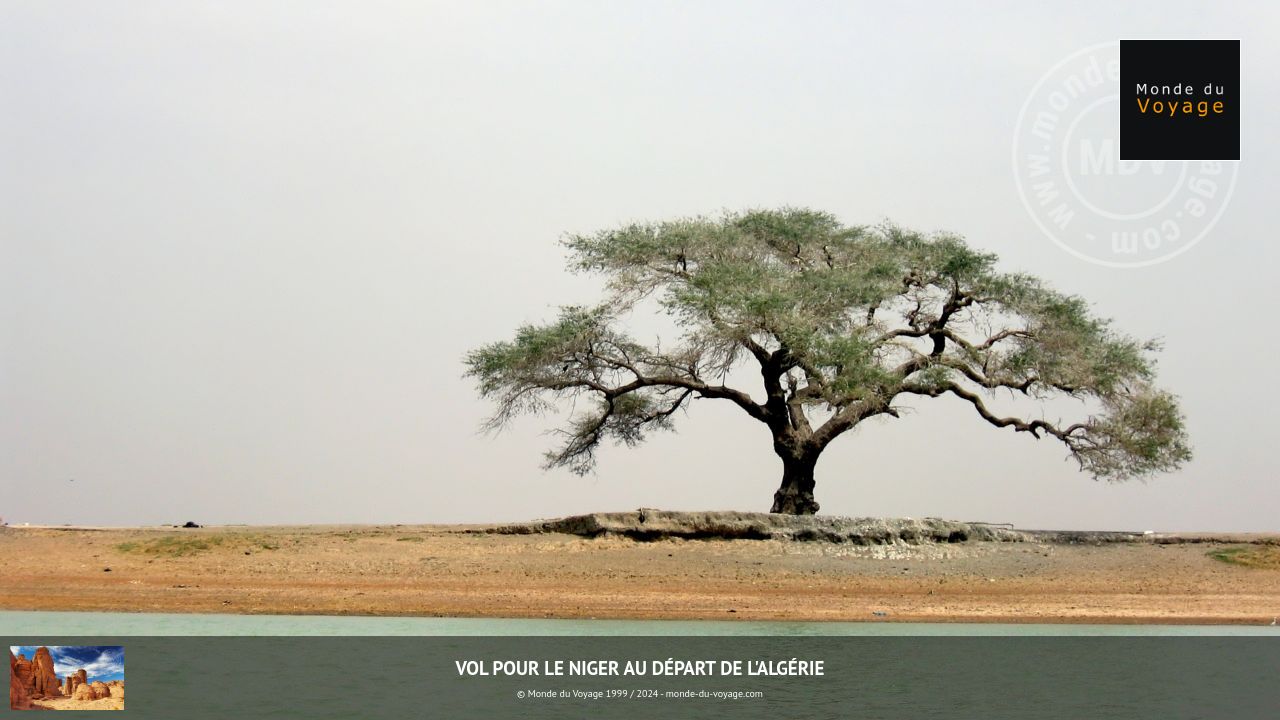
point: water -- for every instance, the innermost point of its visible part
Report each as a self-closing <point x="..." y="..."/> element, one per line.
<point x="13" y="623"/>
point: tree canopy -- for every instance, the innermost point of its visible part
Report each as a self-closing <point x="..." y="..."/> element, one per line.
<point x="842" y="322"/>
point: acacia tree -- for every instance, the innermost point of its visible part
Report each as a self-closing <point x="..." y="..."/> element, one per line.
<point x="842" y="323"/>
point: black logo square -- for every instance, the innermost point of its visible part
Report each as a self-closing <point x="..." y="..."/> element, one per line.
<point x="1180" y="99"/>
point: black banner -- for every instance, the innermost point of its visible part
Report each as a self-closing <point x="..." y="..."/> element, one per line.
<point x="990" y="678"/>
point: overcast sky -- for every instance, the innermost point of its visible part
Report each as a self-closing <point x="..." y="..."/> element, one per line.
<point x="245" y="246"/>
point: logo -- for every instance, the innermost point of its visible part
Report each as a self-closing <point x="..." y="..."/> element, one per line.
<point x="1180" y="99"/>
<point x="1096" y="203"/>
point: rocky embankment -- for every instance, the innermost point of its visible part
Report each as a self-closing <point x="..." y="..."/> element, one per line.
<point x="33" y="680"/>
<point x="646" y="524"/>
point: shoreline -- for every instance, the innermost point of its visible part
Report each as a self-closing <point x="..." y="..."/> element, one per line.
<point x="1182" y="621"/>
<point x="458" y="572"/>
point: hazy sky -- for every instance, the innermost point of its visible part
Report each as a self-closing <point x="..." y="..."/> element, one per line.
<point x="244" y="247"/>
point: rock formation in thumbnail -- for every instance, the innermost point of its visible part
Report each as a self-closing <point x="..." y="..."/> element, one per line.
<point x="44" y="681"/>
<point x="76" y="679"/>
<point x="34" y="680"/>
<point x="18" y="699"/>
<point x="21" y="669"/>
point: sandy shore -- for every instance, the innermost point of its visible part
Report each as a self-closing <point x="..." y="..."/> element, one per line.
<point x="442" y="571"/>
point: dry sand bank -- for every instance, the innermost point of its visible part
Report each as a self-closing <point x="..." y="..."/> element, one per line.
<point x="66" y="703"/>
<point x="455" y="571"/>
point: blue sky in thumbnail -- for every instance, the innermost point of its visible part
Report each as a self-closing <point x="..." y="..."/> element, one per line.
<point x="100" y="662"/>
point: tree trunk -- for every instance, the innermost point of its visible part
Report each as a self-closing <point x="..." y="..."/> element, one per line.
<point x="795" y="496"/>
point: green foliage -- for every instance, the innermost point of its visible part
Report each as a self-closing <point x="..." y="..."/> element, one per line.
<point x="1141" y="433"/>
<point x="182" y="545"/>
<point x="172" y="545"/>
<point x="624" y="418"/>
<point x="841" y="321"/>
<point x="1250" y="556"/>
